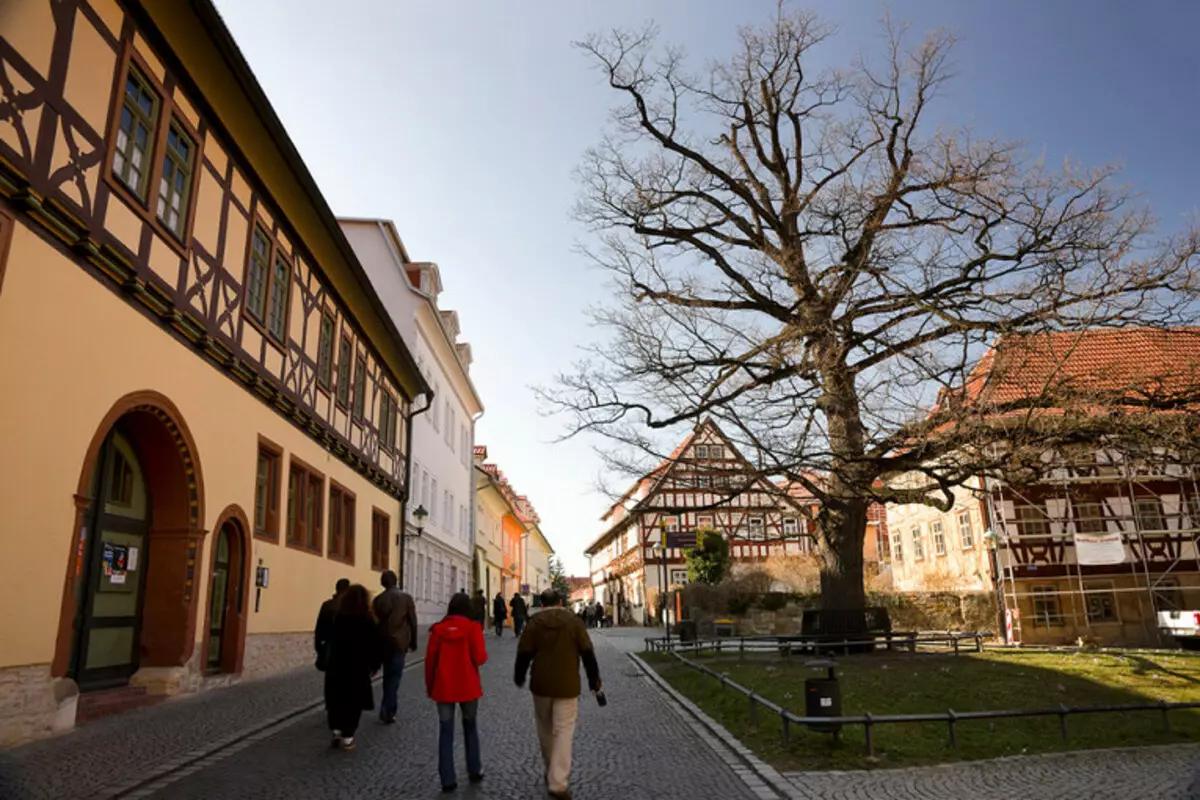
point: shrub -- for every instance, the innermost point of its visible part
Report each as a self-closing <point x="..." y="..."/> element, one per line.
<point x="774" y="601"/>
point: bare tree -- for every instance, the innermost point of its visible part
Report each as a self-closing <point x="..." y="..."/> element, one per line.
<point x="801" y="256"/>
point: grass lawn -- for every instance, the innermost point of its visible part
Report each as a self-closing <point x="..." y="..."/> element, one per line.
<point x="923" y="683"/>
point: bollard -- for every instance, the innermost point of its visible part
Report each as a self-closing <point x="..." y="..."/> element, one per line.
<point x="952" y="721"/>
<point x="978" y="643"/>
<point x="867" y="728"/>
<point x="1062" y="721"/>
<point x="955" y="638"/>
<point x="1162" y="704"/>
<point x="786" y="732"/>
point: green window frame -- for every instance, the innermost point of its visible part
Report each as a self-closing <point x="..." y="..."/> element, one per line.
<point x="360" y="387"/>
<point x="281" y="284"/>
<point x="257" y="275"/>
<point x="175" y="183"/>
<point x="325" y="353"/>
<point x="343" y="381"/>
<point x="136" y="130"/>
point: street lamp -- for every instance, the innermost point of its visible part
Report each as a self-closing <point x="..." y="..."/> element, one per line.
<point x="419" y="514"/>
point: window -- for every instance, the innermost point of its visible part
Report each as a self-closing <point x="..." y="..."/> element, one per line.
<point x="387" y="421"/>
<point x="433" y="500"/>
<point x="716" y="453"/>
<point x="704" y="481"/>
<point x="305" y="492"/>
<point x="341" y="524"/>
<point x="380" y="522"/>
<point x="704" y="523"/>
<point x="135" y="134"/>
<point x="1047" y="612"/>
<point x="256" y="274"/>
<point x="791" y="526"/>
<point x="755" y="528"/>
<point x="918" y="545"/>
<point x="1167" y="595"/>
<point x="897" y="547"/>
<point x="1101" y="602"/>
<point x="343" y="381"/>
<point x="939" y="539"/>
<point x="965" y="537"/>
<point x="1150" y="515"/>
<point x="266" y="491"/>
<point x="1089" y="518"/>
<point x="360" y="387"/>
<point x="175" y="183"/>
<point x="325" y="353"/>
<point x="424" y="501"/>
<point x="447" y="517"/>
<point x="701" y="451"/>
<point x="1032" y="521"/>
<point x="435" y="411"/>
<point x="268" y="284"/>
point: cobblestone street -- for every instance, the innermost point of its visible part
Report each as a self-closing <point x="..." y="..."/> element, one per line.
<point x="638" y="748"/>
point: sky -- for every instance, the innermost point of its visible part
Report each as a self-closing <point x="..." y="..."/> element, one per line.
<point x="463" y="122"/>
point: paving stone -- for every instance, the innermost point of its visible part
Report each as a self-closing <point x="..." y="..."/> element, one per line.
<point x="637" y="747"/>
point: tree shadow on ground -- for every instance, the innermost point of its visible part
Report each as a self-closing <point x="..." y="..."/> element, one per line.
<point x="895" y="684"/>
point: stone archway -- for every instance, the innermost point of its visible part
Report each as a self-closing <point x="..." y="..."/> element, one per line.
<point x="233" y="525"/>
<point x="170" y="464"/>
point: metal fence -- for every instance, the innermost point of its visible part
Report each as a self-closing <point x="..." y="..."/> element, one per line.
<point x="950" y="717"/>
<point x="786" y="645"/>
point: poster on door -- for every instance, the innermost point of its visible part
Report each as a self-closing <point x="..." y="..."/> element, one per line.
<point x="115" y="561"/>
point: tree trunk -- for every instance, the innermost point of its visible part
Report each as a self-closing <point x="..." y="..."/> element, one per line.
<point x="843" y="526"/>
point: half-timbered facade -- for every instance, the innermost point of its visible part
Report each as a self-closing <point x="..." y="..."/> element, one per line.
<point x="705" y="484"/>
<point x="1098" y="547"/>
<point x="204" y="426"/>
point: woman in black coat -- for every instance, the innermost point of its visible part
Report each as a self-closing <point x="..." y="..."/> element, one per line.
<point x="355" y="655"/>
<point x="499" y="613"/>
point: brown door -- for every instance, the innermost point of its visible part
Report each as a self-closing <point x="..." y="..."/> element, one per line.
<point x="223" y="595"/>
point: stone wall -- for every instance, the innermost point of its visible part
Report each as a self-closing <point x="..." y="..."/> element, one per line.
<point x="268" y="653"/>
<point x="29" y="708"/>
<point x="778" y="614"/>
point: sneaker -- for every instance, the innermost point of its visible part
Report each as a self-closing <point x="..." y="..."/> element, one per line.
<point x="348" y="743"/>
<point x="337" y="738"/>
<point x="476" y="777"/>
<point x="388" y="720"/>
<point x="565" y="794"/>
<point x="448" y="788"/>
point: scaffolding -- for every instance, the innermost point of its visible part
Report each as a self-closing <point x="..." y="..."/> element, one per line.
<point x="1153" y="503"/>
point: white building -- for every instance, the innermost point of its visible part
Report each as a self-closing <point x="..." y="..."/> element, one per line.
<point x="438" y="563"/>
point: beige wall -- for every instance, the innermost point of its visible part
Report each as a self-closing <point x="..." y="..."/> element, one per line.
<point x="72" y="349"/>
<point x="959" y="569"/>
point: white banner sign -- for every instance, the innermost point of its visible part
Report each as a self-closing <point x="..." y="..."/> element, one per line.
<point x="1095" y="549"/>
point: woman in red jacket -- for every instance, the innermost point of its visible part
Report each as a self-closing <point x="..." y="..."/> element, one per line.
<point x="452" y="661"/>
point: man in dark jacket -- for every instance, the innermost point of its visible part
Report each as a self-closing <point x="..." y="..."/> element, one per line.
<point x="499" y="613"/>
<point x="520" y="613"/>
<point x="323" y="633"/>
<point x="479" y="607"/>
<point x="554" y="643"/>
<point x="397" y="616"/>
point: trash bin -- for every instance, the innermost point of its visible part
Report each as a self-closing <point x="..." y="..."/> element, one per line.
<point x="823" y="697"/>
<point x="687" y="630"/>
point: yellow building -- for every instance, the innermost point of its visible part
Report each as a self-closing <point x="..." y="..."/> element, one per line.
<point x="205" y="416"/>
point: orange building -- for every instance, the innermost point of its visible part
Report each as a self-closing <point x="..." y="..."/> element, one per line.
<point x="205" y="421"/>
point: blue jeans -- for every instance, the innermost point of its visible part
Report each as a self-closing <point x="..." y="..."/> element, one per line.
<point x="446" y="741"/>
<point x="518" y="625"/>
<point x="393" y="668"/>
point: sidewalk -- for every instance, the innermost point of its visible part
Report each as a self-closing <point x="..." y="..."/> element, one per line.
<point x="115" y="750"/>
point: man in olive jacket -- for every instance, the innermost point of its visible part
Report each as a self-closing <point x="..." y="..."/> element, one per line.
<point x="555" y="642"/>
<point x="397" y="615"/>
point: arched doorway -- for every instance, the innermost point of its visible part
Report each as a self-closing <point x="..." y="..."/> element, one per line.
<point x="113" y="568"/>
<point x="129" y="601"/>
<point x="225" y="615"/>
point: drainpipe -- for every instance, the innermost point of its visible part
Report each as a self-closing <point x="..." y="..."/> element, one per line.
<point x="471" y="488"/>
<point x="408" y="437"/>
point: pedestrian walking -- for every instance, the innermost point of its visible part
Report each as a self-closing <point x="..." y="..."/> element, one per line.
<point x="589" y="615"/>
<point x="354" y="656"/>
<point x="599" y="614"/>
<point x="397" y="616"/>
<point x="452" y="660"/>
<point x="499" y="613"/>
<point x="479" y="608"/>
<point x="323" y="632"/>
<point x="555" y="643"/>
<point x="520" y="613"/>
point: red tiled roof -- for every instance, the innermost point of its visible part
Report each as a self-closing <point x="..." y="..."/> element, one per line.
<point x="1131" y="361"/>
